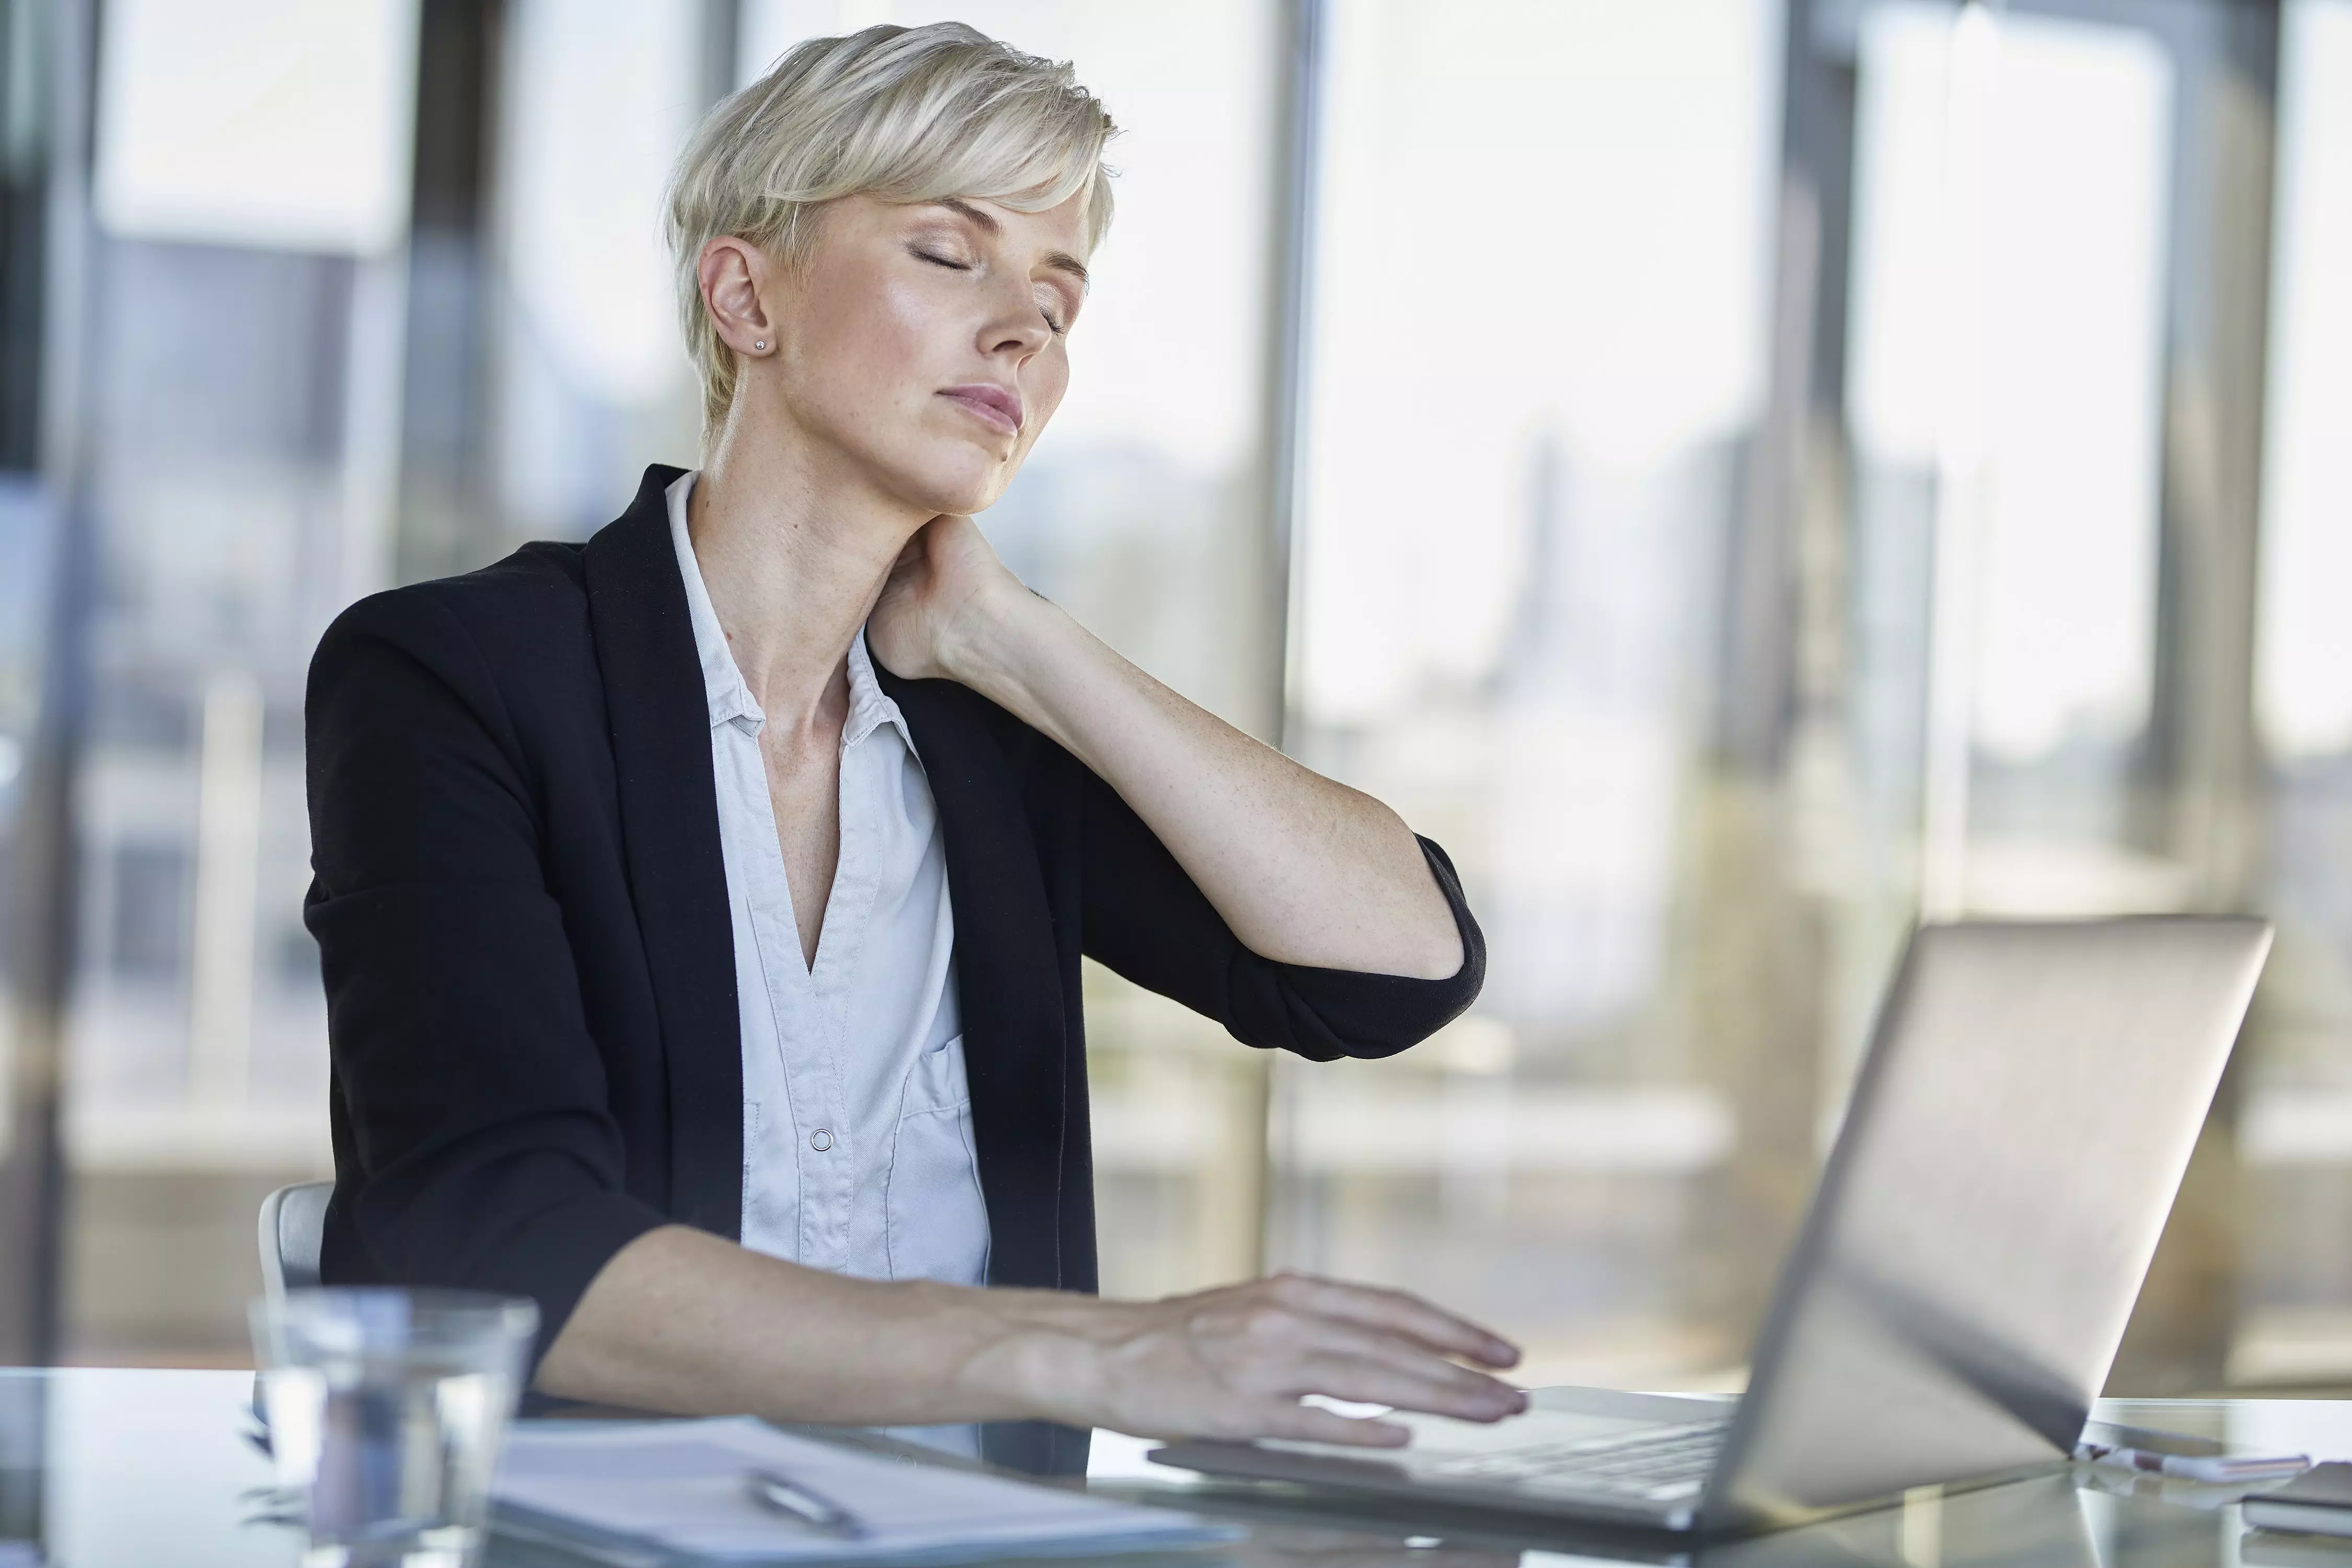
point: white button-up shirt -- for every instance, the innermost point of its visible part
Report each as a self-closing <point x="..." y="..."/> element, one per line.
<point x="857" y="1145"/>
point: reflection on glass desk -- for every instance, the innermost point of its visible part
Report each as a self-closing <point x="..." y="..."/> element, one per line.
<point x="108" y="1469"/>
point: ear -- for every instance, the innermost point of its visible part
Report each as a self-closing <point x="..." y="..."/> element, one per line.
<point x="735" y="276"/>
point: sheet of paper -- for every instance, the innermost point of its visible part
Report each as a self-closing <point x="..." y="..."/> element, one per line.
<point x="678" y="1489"/>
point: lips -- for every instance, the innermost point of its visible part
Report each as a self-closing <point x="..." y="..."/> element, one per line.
<point x="999" y="407"/>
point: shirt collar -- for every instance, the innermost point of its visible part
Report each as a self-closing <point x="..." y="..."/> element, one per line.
<point x="869" y="706"/>
<point x="722" y="683"/>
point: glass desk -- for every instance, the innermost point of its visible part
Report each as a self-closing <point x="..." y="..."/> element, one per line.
<point x="117" y="1469"/>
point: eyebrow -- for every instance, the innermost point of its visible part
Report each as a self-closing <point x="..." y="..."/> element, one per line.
<point x="1059" y="260"/>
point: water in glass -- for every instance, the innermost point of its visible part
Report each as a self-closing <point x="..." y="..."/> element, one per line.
<point x="386" y="1411"/>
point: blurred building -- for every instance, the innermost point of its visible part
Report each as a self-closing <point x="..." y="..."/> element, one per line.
<point x="1742" y="474"/>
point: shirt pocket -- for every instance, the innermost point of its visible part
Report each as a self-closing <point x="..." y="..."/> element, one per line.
<point x="935" y="1221"/>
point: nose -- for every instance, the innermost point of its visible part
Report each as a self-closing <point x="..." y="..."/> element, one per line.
<point x="1014" y="325"/>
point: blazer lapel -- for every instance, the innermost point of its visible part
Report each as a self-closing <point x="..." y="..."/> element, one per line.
<point x="1007" y="982"/>
<point x="669" y="836"/>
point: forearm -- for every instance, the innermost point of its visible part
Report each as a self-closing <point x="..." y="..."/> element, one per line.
<point x="1304" y="869"/>
<point x="686" y="1322"/>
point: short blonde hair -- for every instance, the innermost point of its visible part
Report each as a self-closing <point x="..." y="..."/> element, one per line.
<point x="907" y="114"/>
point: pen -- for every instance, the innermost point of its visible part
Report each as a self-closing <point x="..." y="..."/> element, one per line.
<point x="2214" y="1467"/>
<point x="794" y="1500"/>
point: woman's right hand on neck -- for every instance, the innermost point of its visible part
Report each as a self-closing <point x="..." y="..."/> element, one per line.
<point x="935" y="603"/>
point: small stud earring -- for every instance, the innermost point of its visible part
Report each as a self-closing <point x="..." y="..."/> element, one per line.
<point x="760" y="343"/>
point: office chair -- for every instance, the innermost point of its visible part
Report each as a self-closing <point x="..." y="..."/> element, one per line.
<point x="293" y="1222"/>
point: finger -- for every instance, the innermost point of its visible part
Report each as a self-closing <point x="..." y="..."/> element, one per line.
<point x="1311" y="1336"/>
<point x="1397" y="1312"/>
<point x="1372" y="1382"/>
<point x="1366" y="1382"/>
<point x="1306" y="1423"/>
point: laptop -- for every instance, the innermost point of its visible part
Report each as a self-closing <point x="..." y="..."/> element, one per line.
<point x="1960" y="1285"/>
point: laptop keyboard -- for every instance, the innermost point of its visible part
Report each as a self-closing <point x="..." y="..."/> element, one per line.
<point x="1655" y="1464"/>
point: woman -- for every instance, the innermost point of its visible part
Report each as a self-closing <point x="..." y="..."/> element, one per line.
<point x="701" y="907"/>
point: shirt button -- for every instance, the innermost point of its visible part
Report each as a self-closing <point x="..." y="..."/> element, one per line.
<point x="820" y="1140"/>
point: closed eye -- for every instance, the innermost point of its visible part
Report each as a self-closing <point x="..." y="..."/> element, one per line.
<point x="947" y="261"/>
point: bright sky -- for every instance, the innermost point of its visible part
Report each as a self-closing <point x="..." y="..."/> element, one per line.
<point x="271" y="124"/>
<point x="604" y="93"/>
<point x="1555" y="216"/>
<point x="2306" y="681"/>
<point x="2012" y="289"/>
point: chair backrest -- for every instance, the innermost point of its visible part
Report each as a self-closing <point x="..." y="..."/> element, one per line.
<point x="293" y="1224"/>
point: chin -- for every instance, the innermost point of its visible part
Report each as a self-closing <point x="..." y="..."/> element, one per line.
<point x="958" y="488"/>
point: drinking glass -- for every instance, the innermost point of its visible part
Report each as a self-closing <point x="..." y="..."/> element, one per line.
<point x="385" y="1410"/>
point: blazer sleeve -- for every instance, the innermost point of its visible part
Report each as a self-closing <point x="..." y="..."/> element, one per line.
<point x="1149" y="920"/>
<point x="474" y="1098"/>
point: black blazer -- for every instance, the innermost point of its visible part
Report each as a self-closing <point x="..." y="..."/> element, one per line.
<point x="521" y="908"/>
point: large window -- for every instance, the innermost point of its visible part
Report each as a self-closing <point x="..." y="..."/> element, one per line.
<point x="2006" y="387"/>
<point x="250" y="190"/>
<point x="1536" y="348"/>
<point x="2054" y="333"/>
<point x="1740" y="475"/>
<point x="2295" y="1127"/>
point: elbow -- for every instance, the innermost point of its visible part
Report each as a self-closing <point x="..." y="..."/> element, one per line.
<point x="1416" y="1020"/>
<point x="1370" y="1017"/>
<point x="1324" y="1015"/>
<point x="1432" y="1001"/>
<point x="1441" y="955"/>
<point x="1454" y="949"/>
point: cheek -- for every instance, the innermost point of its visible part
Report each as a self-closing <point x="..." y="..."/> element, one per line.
<point x="1043" y="381"/>
<point x="866" y="347"/>
<point x="1048" y="378"/>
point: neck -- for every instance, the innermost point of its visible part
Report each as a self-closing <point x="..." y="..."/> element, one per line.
<point x="794" y="555"/>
